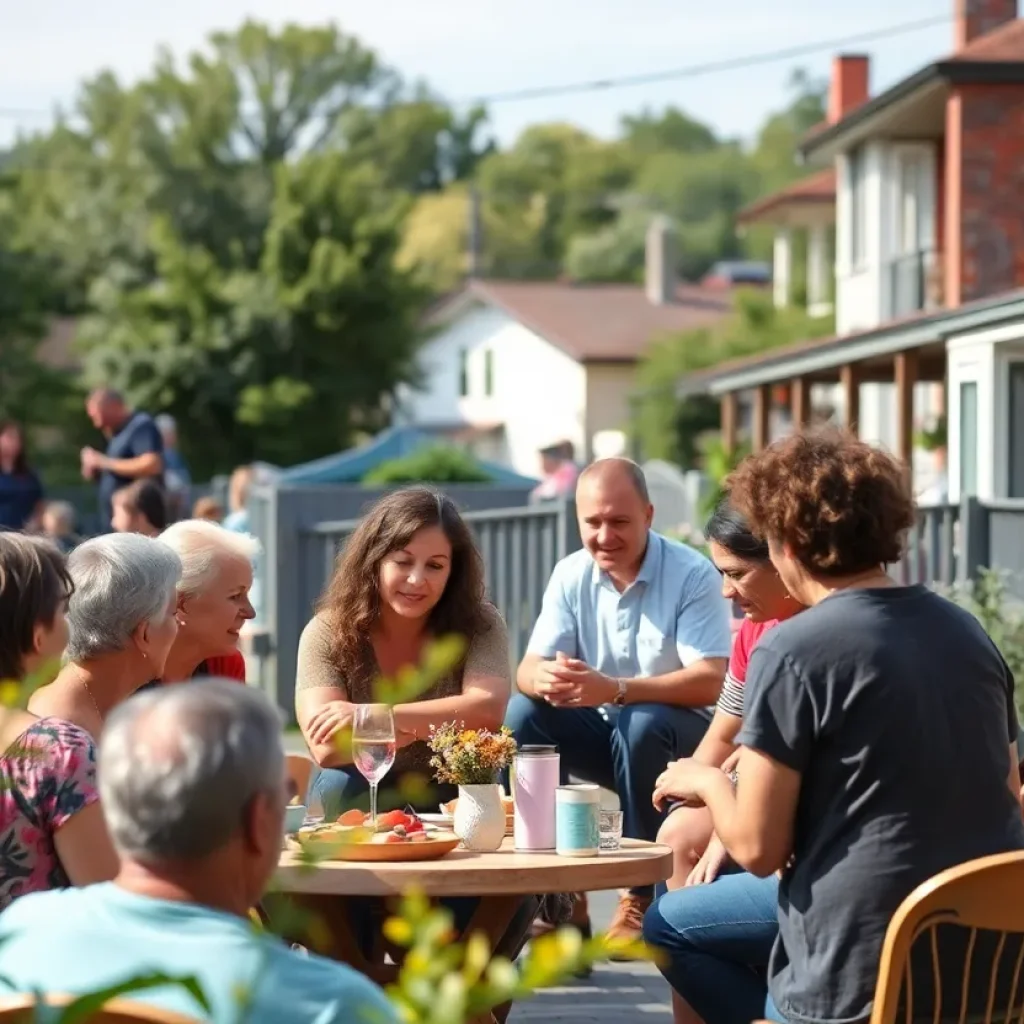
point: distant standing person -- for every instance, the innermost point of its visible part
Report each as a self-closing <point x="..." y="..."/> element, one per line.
<point x="21" y="492"/>
<point x="177" y="478"/>
<point x="559" y="472"/>
<point x="135" y="448"/>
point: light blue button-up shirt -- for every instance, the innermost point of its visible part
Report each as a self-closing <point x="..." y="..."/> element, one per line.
<point x="672" y="615"/>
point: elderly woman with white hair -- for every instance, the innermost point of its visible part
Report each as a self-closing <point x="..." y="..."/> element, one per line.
<point x="121" y="625"/>
<point x="213" y="600"/>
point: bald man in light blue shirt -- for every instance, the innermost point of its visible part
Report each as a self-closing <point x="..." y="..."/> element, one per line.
<point x="627" y="657"/>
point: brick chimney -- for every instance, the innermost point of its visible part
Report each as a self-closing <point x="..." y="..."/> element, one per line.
<point x="850" y="86"/>
<point x="974" y="18"/>
<point x="660" y="270"/>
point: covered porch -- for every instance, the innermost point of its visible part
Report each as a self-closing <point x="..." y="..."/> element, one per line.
<point x="802" y="216"/>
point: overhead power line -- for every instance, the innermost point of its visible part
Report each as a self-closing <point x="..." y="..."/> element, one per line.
<point x="653" y="77"/>
<point x="712" y="67"/>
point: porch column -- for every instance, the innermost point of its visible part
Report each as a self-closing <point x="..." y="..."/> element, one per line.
<point x="728" y="412"/>
<point x="817" y="270"/>
<point x="800" y="402"/>
<point x="849" y="378"/>
<point x="760" y="417"/>
<point x="905" y="376"/>
<point x="782" y="267"/>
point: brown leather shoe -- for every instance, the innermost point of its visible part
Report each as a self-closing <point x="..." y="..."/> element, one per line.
<point x="628" y="922"/>
<point x="580" y="919"/>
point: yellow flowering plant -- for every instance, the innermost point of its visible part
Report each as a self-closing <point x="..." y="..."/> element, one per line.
<point x="470" y="757"/>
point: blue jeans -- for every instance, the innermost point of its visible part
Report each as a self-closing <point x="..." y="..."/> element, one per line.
<point x="622" y="749"/>
<point x="717" y="939"/>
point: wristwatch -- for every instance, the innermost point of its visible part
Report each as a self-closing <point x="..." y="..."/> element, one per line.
<point x="620" y="697"/>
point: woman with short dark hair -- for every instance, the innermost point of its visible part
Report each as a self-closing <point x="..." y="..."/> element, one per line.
<point x="877" y="747"/>
<point x="21" y="492"/>
<point x="51" y="827"/>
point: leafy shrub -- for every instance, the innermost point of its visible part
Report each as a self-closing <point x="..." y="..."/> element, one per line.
<point x="436" y="464"/>
<point x="986" y="598"/>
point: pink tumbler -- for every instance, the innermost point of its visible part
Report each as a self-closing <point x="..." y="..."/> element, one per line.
<point x="535" y="782"/>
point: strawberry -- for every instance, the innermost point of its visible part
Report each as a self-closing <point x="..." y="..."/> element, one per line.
<point x="392" y="818"/>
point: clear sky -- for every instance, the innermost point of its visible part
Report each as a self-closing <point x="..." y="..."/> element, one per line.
<point x="471" y="48"/>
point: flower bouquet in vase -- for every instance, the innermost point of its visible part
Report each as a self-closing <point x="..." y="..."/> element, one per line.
<point x="471" y="759"/>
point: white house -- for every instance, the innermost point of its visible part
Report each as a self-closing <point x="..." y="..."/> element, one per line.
<point x="929" y="260"/>
<point x="516" y="366"/>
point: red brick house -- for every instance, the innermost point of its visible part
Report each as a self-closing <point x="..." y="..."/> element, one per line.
<point x="929" y="262"/>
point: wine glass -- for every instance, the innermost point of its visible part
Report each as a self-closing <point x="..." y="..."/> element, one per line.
<point x="373" y="747"/>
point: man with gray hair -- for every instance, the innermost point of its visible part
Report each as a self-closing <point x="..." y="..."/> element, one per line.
<point x="193" y="784"/>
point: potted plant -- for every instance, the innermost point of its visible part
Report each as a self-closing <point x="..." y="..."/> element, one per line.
<point x="471" y="760"/>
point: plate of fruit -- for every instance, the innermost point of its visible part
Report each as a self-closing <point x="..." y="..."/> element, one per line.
<point x="398" y="836"/>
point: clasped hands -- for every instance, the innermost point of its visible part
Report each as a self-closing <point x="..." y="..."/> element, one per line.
<point x="687" y="779"/>
<point x="569" y="682"/>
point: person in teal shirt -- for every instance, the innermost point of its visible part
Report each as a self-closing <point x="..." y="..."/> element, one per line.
<point x="192" y="784"/>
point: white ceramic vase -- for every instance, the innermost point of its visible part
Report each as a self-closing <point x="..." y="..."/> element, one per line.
<point x="480" y="817"/>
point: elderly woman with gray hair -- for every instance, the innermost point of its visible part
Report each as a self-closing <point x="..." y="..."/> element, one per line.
<point x="121" y="625"/>
<point x="213" y="600"/>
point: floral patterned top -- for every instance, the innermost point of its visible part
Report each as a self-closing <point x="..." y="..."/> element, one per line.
<point x="47" y="775"/>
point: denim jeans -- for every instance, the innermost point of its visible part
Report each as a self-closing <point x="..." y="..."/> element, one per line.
<point x="622" y="749"/>
<point x="343" y="788"/>
<point x="717" y="939"/>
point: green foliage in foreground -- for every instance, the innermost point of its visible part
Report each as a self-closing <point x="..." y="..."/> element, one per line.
<point x="441" y="981"/>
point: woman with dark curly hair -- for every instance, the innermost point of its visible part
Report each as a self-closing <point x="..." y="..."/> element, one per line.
<point x="410" y="573"/>
<point x="878" y="746"/>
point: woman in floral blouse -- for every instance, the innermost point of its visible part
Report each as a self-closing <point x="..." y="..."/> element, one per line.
<point x="51" y="829"/>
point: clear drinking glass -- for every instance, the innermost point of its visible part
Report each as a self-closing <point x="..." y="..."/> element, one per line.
<point x="610" y="829"/>
<point x="373" y="747"/>
<point x="314" y="809"/>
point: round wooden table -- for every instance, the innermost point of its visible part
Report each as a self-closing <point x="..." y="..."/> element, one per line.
<point x="501" y="881"/>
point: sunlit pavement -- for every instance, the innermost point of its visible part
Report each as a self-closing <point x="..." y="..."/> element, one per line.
<point x="613" y="994"/>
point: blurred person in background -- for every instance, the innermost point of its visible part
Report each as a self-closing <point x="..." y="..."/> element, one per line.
<point x="177" y="478"/>
<point x="140" y="507"/>
<point x="134" y="448"/>
<point x="213" y="600"/>
<point x="58" y="524"/>
<point x="52" y="833"/>
<point x="208" y="508"/>
<point x="21" y="491"/>
<point x="121" y="625"/>
<point x="238" y="497"/>
<point x="559" y="473"/>
<point x="193" y="783"/>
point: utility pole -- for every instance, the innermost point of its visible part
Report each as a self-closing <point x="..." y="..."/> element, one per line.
<point x="476" y="233"/>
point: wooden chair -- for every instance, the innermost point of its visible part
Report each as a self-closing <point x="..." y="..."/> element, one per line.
<point x="22" y="1009"/>
<point x="300" y="770"/>
<point x="983" y="895"/>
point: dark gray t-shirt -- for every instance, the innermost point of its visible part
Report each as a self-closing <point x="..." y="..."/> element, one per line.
<point x="897" y="711"/>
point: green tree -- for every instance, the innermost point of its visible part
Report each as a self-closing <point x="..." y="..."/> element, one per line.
<point x="227" y="227"/>
<point x="667" y="427"/>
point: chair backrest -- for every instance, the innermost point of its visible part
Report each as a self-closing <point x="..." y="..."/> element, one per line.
<point x="21" y="1010"/>
<point x="300" y="768"/>
<point x="982" y="896"/>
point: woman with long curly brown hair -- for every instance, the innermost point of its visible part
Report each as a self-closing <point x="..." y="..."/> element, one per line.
<point x="409" y="573"/>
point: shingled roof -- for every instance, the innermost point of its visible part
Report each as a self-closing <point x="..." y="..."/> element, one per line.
<point x="592" y="323"/>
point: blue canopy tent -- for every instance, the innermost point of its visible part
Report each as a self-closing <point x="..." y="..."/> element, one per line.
<point x="351" y="466"/>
